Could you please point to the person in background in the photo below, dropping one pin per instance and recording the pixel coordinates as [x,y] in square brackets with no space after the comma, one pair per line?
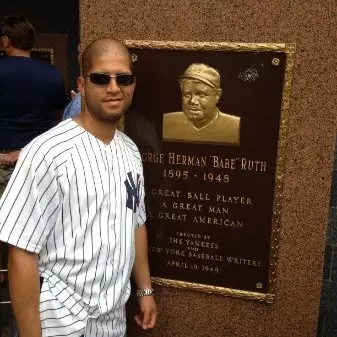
[74,107]
[79,215]
[32,96]
[32,93]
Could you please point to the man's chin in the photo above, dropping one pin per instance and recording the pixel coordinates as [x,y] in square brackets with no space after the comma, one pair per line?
[194,118]
[115,117]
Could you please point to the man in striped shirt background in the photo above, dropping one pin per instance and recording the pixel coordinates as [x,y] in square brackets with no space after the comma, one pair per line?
[73,213]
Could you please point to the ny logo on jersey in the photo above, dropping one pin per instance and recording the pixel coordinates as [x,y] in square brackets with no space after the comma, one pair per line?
[133,191]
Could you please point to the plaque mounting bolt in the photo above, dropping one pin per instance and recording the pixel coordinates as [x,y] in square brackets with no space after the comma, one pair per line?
[275,61]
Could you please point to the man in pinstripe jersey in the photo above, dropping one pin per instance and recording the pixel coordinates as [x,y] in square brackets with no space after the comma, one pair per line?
[73,213]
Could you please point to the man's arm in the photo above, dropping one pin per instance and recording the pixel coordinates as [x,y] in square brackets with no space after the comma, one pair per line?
[24,287]
[148,310]
[9,158]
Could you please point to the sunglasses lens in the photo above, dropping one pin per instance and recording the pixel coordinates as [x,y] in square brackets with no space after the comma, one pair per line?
[99,79]
[124,79]
[104,79]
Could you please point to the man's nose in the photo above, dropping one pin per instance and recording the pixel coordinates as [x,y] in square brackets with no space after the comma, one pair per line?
[194,99]
[113,86]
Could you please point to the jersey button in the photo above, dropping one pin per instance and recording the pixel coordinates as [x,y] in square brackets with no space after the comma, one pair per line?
[111,261]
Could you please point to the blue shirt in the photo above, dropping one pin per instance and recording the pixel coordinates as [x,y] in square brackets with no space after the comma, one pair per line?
[31,93]
[73,108]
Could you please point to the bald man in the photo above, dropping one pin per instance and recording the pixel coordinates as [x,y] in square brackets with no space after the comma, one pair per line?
[201,121]
[73,214]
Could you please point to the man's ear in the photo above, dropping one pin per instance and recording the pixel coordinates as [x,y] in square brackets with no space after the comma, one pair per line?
[218,94]
[5,41]
[80,85]
[134,83]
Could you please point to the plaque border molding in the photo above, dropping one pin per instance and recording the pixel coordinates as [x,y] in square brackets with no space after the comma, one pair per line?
[289,49]
[50,50]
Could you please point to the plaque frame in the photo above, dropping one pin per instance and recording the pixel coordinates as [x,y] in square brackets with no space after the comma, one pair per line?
[289,49]
[46,50]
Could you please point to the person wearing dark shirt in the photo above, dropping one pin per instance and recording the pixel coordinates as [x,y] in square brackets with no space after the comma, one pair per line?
[32,93]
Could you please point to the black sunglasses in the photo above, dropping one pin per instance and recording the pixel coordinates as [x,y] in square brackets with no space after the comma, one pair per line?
[104,79]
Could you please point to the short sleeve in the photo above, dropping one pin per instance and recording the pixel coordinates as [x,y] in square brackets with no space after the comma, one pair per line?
[30,203]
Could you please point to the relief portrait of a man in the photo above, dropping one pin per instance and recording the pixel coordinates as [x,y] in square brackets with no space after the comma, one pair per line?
[201,121]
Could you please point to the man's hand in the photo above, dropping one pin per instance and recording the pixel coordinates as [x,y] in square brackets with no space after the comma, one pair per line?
[9,158]
[147,317]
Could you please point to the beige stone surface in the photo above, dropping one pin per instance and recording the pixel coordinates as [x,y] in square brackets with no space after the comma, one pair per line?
[312,25]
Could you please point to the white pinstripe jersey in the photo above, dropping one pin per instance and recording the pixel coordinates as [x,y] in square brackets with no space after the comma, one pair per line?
[76,202]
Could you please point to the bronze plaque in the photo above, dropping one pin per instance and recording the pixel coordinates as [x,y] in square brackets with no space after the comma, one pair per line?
[210,121]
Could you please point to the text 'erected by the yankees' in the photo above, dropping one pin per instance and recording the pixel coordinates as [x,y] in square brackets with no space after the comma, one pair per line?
[198,252]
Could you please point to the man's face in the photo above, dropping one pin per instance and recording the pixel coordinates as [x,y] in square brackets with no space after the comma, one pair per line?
[107,102]
[199,101]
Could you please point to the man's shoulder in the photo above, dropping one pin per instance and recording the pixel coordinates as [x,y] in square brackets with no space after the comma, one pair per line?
[29,65]
[129,143]
[56,139]
[177,115]
[44,67]
[27,61]
[224,117]
[11,63]
[174,114]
